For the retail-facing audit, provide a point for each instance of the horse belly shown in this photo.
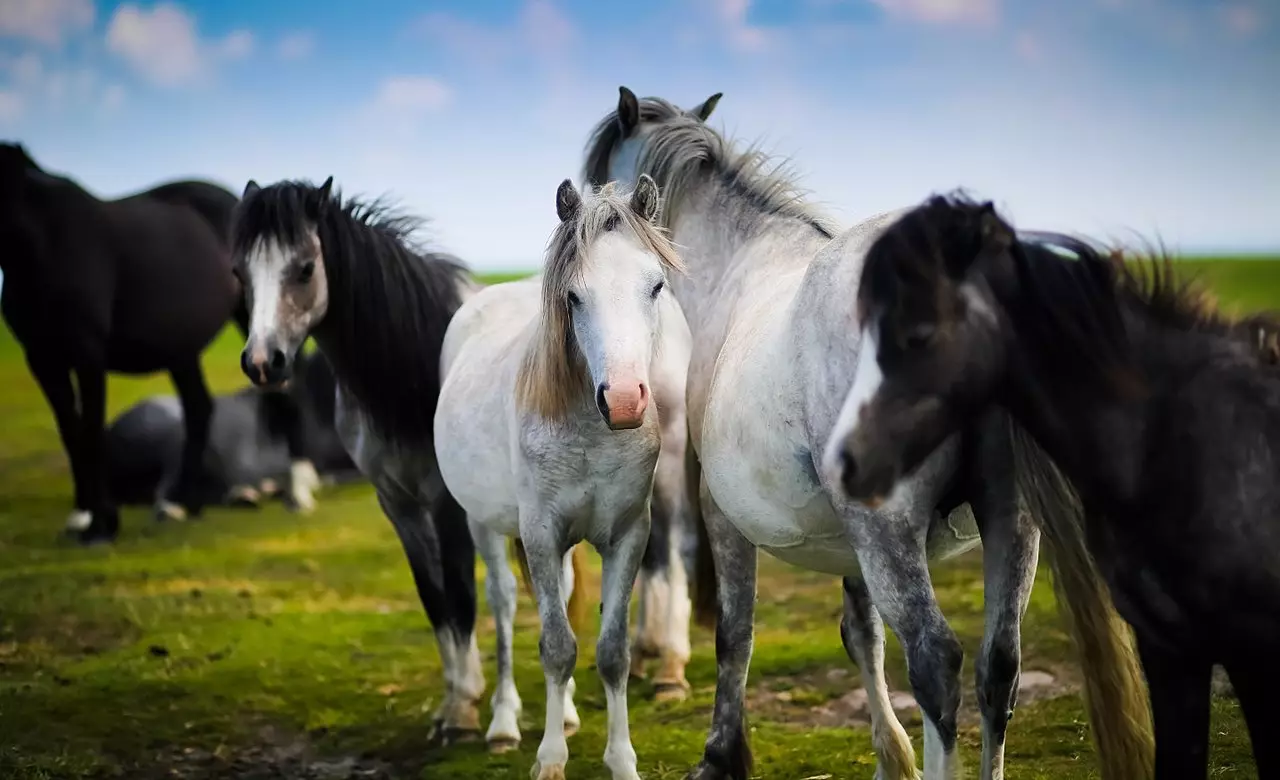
(473, 446)
(760, 471)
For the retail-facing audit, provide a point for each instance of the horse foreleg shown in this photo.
(620, 563)
(186, 497)
(55, 382)
(458, 714)
(891, 554)
(105, 523)
(1010, 549)
(862, 632)
(727, 753)
(500, 587)
(557, 645)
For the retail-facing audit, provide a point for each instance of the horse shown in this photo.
(772, 361)
(349, 273)
(548, 429)
(135, 285)
(248, 458)
(1158, 411)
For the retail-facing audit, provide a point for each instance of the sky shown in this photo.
(1115, 118)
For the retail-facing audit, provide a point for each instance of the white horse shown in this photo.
(769, 297)
(530, 369)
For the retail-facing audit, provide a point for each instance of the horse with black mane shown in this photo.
(135, 285)
(1160, 413)
(248, 458)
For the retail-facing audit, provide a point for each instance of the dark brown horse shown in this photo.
(135, 285)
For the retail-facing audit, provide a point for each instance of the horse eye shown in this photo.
(306, 271)
(657, 288)
(574, 300)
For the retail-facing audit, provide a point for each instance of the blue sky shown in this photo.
(1103, 116)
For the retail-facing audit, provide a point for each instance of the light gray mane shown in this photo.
(682, 151)
(551, 377)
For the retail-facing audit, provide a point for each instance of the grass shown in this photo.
(264, 644)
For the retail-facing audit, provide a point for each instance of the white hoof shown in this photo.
(167, 510)
(79, 520)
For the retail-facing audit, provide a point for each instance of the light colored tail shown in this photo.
(1115, 690)
(577, 606)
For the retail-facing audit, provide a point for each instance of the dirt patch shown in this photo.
(834, 697)
(277, 755)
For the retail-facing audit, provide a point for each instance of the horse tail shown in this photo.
(1115, 690)
(577, 606)
(705, 596)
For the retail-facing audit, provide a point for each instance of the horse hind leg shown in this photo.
(662, 624)
(862, 633)
(500, 587)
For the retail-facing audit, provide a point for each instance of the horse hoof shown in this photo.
(500, 745)
(104, 529)
(78, 521)
(244, 496)
(548, 772)
(168, 510)
(705, 771)
(670, 691)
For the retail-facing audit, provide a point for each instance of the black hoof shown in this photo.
(705, 771)
(104, 528)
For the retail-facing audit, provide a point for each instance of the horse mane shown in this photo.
(682, 151)
(552, 375)
(1074, 291)
(393, 299)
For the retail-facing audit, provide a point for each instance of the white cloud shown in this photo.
(942, 11)
(541, 30)
(1242, 20)
(113, 97)
(12, 106)
(164, 47)
(412, 95)
(740, 34)
(296, 46)
(44, 21)
(236, 46)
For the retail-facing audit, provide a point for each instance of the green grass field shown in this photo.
(255, 644)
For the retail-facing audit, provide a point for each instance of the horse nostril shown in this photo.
(245, 365)
(602, 404)
(277, 359)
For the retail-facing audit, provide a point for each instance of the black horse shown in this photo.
(248, 458)
(1163, 414)
(135, 285)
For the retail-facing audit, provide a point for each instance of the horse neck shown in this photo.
(724, 239)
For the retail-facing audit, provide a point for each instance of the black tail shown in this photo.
(1115, 690)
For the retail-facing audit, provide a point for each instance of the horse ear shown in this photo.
(325, 190)
(628, 110)
(704, 109)
(250, 188)
(568, 201)
(644, 199)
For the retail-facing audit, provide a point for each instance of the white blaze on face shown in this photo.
(867, 379)
(616, 323)
(265, 263)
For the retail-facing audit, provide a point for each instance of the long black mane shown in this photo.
(390, 301)
(1073, 294)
